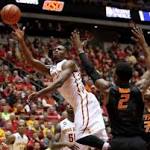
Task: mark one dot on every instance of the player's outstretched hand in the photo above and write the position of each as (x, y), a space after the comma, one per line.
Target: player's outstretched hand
(138, 35)
(75, 37)
(18, 33)
(72, 146)
(33, 96)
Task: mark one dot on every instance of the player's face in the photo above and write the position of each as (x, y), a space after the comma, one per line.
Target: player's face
(69, 109)
(37, 146)
(59, 52)
(49, 134)
(21, 128)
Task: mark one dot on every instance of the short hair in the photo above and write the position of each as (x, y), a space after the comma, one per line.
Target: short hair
(22, 122)
(124, 71)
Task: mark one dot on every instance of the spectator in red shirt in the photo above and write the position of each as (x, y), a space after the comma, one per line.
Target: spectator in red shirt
(2, 52)
(8, 126)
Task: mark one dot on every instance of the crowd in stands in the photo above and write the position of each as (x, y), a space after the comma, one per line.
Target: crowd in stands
(18, 80)
(132, 2)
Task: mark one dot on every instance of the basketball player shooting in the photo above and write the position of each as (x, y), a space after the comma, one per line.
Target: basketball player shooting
(89, 123)
(124, 101)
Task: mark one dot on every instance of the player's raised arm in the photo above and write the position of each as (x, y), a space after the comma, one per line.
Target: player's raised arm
(68, 68)
(88, 66)
(19, 34)
(144, 83)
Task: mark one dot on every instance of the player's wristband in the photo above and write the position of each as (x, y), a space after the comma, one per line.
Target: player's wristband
(89, 68)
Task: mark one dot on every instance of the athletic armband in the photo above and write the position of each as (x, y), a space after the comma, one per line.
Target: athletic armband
(89, 68)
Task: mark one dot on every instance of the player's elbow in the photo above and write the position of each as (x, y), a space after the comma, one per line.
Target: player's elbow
(29, 60)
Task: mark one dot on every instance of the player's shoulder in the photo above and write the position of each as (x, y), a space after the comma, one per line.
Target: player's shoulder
(135, 89)
(15, 134)
(25, 137)
(64, 121)
(70, 61)
(113, 87)
(69, 64)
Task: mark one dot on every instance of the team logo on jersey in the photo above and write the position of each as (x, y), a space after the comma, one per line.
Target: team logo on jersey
(64, 123)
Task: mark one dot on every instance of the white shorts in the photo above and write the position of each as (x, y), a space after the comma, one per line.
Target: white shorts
(89, 119)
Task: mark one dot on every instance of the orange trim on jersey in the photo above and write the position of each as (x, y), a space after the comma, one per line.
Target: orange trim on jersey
(81, 98)
(85, 123)
(87, 114)
(124, 90)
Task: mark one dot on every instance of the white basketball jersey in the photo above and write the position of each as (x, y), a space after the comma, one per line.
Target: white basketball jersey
(73, 89)
(20, 142)
(67, 131)
(88, 114)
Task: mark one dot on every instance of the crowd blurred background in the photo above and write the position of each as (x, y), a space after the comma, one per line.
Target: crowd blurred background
(104, 46)
(18, 79)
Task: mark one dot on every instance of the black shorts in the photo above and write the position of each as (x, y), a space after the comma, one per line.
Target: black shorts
(146, 137)
(128, 143)
(148, 145)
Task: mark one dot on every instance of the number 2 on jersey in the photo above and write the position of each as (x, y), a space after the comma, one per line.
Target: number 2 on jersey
(147, 126)
(123, 101)
(124, 98)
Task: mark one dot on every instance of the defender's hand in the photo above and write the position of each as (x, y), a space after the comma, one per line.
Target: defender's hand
(138, 35)
(75, 37)
(72, 146)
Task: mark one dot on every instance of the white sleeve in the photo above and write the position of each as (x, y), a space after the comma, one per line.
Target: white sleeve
(27, 108)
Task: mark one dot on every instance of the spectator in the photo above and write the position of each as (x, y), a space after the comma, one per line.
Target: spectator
(2, 121)
(2, 134)
(37, 146)
(47, 140)
(5, 114)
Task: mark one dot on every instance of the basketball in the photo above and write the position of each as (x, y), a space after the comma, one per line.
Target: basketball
(10, 14)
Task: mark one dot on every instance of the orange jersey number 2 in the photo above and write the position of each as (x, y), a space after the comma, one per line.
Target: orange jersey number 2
(123, 101)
